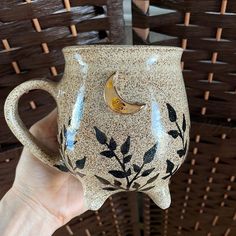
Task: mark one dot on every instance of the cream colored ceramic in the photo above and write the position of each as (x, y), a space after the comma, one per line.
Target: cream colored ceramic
(123, 120)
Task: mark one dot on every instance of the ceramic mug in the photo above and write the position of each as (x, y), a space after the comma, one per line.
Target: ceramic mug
(123, 120)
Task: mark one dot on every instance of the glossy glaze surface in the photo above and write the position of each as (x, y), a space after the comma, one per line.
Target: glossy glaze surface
(123, 120)
(111, 151)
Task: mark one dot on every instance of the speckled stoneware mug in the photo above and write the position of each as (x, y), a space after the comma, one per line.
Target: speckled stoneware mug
(123, 120)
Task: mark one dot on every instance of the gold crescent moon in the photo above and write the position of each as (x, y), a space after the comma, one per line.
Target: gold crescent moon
(115, 102)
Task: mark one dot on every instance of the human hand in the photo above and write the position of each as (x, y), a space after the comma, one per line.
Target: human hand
(58, 193)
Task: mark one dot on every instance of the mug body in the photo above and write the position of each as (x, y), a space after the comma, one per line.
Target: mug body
(123, 119)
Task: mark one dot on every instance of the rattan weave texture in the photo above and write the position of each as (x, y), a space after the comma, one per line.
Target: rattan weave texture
(206, 29)
(32, 34)
(204, 190)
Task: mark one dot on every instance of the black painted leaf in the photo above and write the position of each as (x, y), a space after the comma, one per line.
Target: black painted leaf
(101, 137)
(109, 188)
(170, 173)
(181, 152)
(150, 154)
(173, 133)
(184, 123)
(170, 166)
(80, 163)
(112, 144)
(75, 142)
(167, 176)
(118, 173)
(117, 183)
(127, 158)
(64, 130)
(128, 172)
(136, 185)
(61, 137)
(102, 180)
(171, 112)
(125, 146)
(147, 172)
(69, 122)
(148, 188)
(136, 168)
(108, 154)
(152, 179)
(62, 168)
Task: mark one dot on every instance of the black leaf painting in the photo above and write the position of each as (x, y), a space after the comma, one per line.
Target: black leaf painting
(184, 123)
(127, 159)
(150, 154)
(101, 137)
(181, 152)
(118, 173)
(80, 163)
(170, 169)
(108, 154)
(178, 132)
(136, 168)
(147, 172)
(64, 153)
(148, 188)
(61, 137)
(64, 131)
(171, 112)
(136, 185)
(112, 144)
(170, 166)
(127, 171)
(102, 180)
(117, 183)
(125, 146)
(152, 179)
(173, 133)
(109, 188)
(62, 168)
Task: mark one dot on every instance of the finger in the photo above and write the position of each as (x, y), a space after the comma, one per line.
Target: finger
(49, 122)
(50, 118)
(46, 130)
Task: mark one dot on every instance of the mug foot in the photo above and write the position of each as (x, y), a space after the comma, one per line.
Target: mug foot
(95, 200)
(160, 196)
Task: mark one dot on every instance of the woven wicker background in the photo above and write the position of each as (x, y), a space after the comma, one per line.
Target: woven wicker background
(207, 32)
(203, 190)
(32, 34)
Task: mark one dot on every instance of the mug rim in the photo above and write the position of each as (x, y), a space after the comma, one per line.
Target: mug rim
(102, 46)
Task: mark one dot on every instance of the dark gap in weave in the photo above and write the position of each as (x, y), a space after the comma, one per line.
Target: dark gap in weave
(8, 146)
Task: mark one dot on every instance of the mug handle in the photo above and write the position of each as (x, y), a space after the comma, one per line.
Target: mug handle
(17, 126)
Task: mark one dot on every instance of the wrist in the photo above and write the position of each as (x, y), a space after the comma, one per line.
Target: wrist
(21, 214)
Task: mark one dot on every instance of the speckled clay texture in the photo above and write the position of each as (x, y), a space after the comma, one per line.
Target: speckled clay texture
(148, 75)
